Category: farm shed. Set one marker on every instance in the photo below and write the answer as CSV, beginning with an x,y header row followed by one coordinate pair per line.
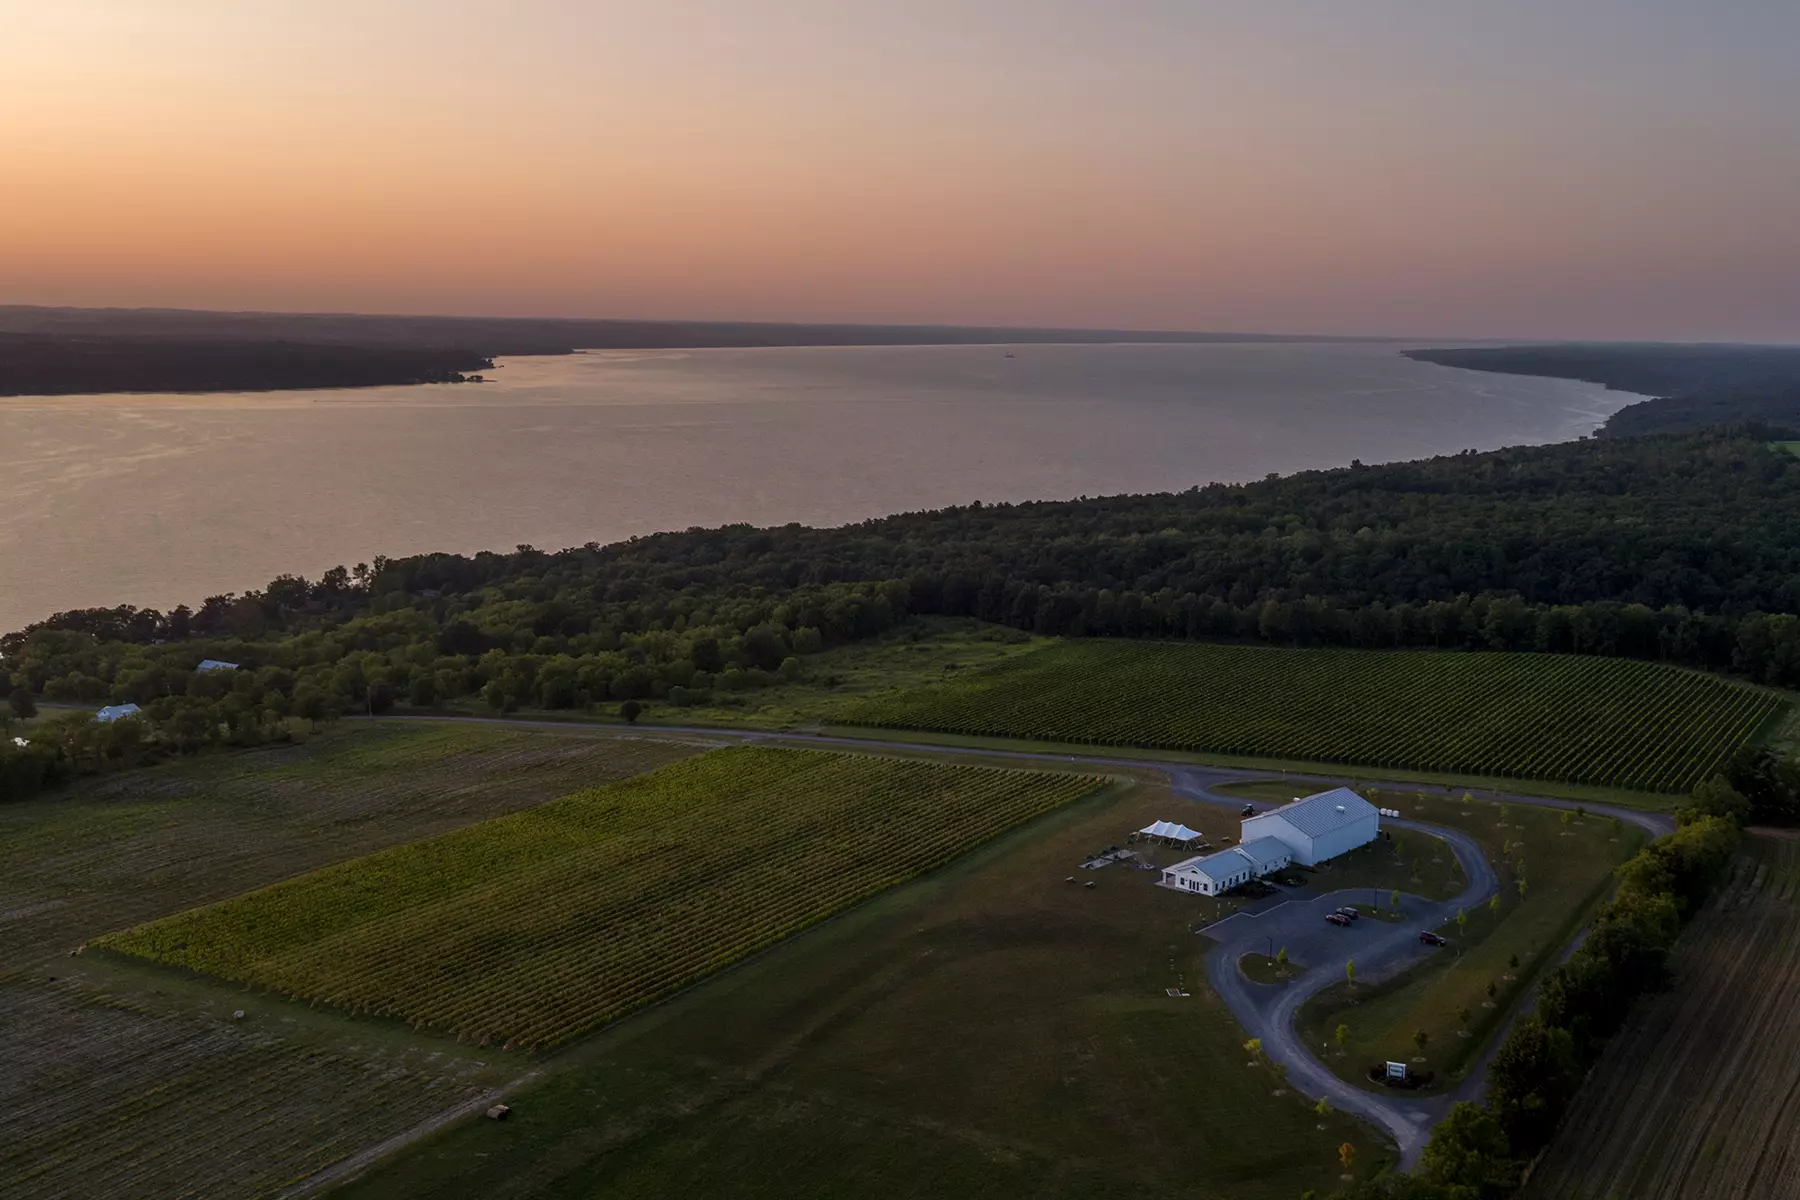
x,y
1317,827
113,712
208,665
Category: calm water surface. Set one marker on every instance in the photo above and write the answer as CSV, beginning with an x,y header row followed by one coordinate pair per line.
x,y
156,500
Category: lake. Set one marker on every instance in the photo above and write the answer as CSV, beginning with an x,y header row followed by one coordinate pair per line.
x,y
156,500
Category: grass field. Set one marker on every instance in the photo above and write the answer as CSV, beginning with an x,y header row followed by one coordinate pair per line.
x,y
123,848
530,929
132,1083
1696,1098
1600,721
1565,866
989,1030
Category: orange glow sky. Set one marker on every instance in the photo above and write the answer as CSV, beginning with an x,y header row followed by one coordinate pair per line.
x,y
1576,168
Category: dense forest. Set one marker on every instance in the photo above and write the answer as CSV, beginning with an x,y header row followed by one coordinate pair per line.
x,y
58,364
1679,549
1693,386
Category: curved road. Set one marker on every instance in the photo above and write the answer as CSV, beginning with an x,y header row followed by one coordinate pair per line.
x,y
1267,1012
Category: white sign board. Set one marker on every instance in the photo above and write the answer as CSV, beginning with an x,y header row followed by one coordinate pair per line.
x,y
1396,1070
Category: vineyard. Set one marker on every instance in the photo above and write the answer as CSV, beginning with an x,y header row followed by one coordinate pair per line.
x,y
532,928
98,1099
1695,1100
1606,722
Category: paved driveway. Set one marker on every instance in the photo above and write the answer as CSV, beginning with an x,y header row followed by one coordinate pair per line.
x,y
1321,948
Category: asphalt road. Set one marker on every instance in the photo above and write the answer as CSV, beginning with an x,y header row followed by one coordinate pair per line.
x,y
1266,1012
1380,949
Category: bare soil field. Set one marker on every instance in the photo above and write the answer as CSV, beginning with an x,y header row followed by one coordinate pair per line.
x,y
1699,1099
114,1084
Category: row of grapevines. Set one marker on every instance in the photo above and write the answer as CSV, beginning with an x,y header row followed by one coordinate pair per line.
x,y
532,928
1605,721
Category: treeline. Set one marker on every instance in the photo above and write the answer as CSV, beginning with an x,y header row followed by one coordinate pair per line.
x,y
1692,386
53,364
1480,1152
1676,549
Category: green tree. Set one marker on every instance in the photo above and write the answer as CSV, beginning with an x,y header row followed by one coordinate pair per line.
x,y
1323,1107
422,692
1462,920
631,710
1494,903
1521,887
1394,898
1253,1048
1341,1035
22,705
1462,1016
1469,1152
1281,958
1420,1039
1492,989
1513,961
1350,972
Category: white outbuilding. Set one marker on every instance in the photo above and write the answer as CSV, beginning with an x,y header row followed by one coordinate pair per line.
x,y
1217,873
209,665
113,712
1319,827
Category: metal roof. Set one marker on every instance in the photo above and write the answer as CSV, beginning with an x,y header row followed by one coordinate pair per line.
x,y
1265,852
1219,865
1318,815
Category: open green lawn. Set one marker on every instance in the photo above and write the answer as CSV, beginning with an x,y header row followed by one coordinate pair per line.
x,y
919,652
1566,867
988,1030
1598,721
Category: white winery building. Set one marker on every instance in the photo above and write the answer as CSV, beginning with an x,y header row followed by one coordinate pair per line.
x,y
1318,827
1219,872
1308,832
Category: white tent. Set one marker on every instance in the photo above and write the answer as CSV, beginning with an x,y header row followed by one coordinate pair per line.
x,y
1169,829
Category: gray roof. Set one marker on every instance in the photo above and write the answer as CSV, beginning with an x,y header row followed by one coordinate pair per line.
x,y
1316,816
1265,851
1219,865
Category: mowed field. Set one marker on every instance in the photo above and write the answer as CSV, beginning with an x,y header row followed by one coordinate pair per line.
x,y
1605,722
1566,860
991,1029
528,930
1697,1099
129,1083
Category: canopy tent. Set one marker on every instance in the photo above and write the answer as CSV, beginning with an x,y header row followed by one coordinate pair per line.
x,y
1169,829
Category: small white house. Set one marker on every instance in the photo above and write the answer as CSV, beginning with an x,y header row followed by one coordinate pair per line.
x,y
113,712
1217,873
209,665
1318,827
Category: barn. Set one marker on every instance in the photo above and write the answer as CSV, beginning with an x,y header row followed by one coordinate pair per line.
x,y
1317,828
113,712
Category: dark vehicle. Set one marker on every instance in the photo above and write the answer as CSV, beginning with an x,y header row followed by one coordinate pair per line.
x,y
1249,810
1337,918
1433,939
1347,911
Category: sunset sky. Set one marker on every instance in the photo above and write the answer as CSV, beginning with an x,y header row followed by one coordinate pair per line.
x,y
1525,168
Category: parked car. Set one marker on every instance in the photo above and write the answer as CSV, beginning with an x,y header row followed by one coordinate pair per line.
x,y
1249,810
1337,918
1349,912
1433,939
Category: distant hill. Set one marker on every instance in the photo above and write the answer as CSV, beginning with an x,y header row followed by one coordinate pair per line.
x,y
1693,385
37,364
553,335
